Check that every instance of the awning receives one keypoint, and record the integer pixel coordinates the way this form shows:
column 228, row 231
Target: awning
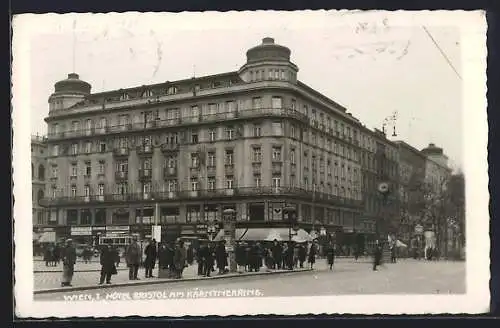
column 47, row 237
column 301, row 236
column 260, row 234
column 399, row 243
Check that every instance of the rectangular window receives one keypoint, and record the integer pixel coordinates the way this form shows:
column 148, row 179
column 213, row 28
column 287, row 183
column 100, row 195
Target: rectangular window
column 74, row 170
column 276, row 153
column 230, row 106
column 122, row 166
column 194, row 137
column 211, row 159
column 88, row 147
column 229, row 157
column 122, row 189
column 55, row 150
column 146, row 164
column 229, row 182
column 194, row 184
column 257, row 102
column 86, row 190
column 212, row 109
column 292, row 156
column 211, row 183
column 229, row 133
column 271, row 74
column 102, row 167
column 74, row 149
column 194, row 160
column 257, row 131
column 75, row 126
column 257, row 180
column 293, row 131
column 277, row 128
column 172, row 185
column 100, row 189
column 257, row 154
column 73, row 191
column 88, row 168
column 212, row 135
column 146, row 187
column 55, row 171
column 102, row 147
column 277, row 102
column 276, row 182
column 282, row 74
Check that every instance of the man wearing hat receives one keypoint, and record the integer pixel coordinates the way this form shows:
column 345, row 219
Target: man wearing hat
column 69, row 260
column 133, row 257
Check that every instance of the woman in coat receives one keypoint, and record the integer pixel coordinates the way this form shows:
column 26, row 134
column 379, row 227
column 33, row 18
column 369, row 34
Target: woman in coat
column 330, row 255
column 108, row 267
column 221, row 257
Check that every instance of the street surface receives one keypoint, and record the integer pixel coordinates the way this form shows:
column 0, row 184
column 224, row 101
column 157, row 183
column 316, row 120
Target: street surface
column 408, row 276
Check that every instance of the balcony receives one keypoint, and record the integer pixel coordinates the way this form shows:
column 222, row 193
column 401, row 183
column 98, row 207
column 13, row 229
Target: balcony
column 145, row 150
column 121, row 175
column 169, row 147
column 169, row 172
column 145, row 174
column 121, row 151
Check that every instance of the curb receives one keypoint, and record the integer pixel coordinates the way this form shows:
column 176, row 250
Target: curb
column 89, row 270
column 163, row 281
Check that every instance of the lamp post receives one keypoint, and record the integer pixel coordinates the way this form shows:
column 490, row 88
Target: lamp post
column 289, row 211
column 230, row 235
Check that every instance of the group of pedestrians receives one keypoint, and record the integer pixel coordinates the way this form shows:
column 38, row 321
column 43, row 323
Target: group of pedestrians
column 52, row 255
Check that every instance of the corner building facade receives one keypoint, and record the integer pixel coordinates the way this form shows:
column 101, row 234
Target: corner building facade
column 256, row 140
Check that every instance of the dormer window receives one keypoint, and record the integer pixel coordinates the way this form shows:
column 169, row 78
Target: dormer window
column 147, row 94
column 172, row 90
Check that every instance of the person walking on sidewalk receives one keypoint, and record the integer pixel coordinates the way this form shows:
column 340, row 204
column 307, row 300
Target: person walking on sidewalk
column 377, row 255
column 108, row 267
column 330, row 255
column 69, row 260
column 201, row 259
column 151, row 254
column 133, row 258
column 209, row 260
column 302, row 255
column 221, row 256
column 312, row 255
column 179, row 259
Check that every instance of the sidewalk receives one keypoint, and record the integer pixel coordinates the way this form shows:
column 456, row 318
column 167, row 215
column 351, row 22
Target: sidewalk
column 50, row 282
column 80, row 266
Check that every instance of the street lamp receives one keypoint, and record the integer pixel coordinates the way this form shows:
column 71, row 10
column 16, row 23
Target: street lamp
column 289, row 211
column 230, row 235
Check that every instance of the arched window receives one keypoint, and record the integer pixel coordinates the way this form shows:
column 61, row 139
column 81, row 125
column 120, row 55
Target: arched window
column 41, row 172
column 40, row 195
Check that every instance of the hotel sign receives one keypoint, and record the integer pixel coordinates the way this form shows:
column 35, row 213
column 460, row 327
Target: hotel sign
column 81, row 231
column 117, row 228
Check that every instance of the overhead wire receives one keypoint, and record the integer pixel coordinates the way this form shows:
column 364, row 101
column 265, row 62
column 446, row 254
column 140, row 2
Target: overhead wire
column 442, row 52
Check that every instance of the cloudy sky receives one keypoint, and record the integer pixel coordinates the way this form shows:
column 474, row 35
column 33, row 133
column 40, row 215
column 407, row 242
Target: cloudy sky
column 374, row 64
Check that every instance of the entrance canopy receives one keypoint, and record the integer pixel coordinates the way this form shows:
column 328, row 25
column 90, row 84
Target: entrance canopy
column 258, row 234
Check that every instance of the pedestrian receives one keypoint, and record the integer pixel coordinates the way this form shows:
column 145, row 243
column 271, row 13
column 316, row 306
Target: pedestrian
column 151, row 253
column 289, row 256
column 276, row 250
column 302, row 255
column 268, row 255
column 221, row 256
column 190, row 254
column 170, row 251
column 108, row 267
column 69, row 260
column 393, row 253
column 330, row 255
column 240, row 257
column 296, row 256
column 56, row 254
column 179, row 259
column 311, row 259
column 248, row 257
column 116, row 255
column 377, row 255
column 209, row 260
column 133, row 257
column 47, row 256
column 201, row 256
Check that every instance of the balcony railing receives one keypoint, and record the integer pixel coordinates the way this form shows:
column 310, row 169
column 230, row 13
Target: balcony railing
column 204, row 118
column 145, row 149
column 169, row 147
column 121, row 151
column 145, row 173
column 169, row 172
column 205, row 194
column 121, row 175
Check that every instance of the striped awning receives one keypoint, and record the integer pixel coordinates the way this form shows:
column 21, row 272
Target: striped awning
column 257, row 234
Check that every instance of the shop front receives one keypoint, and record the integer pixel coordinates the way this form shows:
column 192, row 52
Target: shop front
column 81, row 235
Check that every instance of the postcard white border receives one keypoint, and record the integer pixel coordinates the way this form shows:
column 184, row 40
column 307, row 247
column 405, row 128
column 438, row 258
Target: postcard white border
column 476, row 300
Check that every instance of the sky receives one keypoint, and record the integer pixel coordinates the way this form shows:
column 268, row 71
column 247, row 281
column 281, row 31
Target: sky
column 374, row 64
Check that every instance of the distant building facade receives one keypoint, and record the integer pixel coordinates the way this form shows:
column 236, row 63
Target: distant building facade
column 38, row 179
column 257, row 141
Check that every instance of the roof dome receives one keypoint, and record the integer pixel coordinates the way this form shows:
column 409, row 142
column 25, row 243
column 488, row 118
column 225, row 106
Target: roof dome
column 268, row 50
column 72, row 85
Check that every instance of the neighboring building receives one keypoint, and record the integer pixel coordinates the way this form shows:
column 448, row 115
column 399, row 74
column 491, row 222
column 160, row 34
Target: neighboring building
column 412, row 164
column 380, row 165
column 256, row 140
column 456, row 212
column 437, row 171
column 38, row 178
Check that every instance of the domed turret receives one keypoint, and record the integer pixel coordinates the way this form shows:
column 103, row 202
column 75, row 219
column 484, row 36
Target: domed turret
column 269, row 61
column 68, row 92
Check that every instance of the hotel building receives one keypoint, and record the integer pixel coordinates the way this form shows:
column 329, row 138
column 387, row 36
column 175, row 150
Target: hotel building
column 256, row 140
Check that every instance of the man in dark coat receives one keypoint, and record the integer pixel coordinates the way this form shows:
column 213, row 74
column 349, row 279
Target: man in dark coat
column 69, row 260
column 190, row 254
column 312, row 255
column 201, row 256
column 133, row 257
column 330, row 255
column 240, row 256
column 209, row 260
column 108, row 267
column 151, row 254
column 255, row 258
column 289, row 256
column 276, row 251
column 179, row 259
column 221, row 256
column 169, row 256
column 377, row 255
column 302, row 255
